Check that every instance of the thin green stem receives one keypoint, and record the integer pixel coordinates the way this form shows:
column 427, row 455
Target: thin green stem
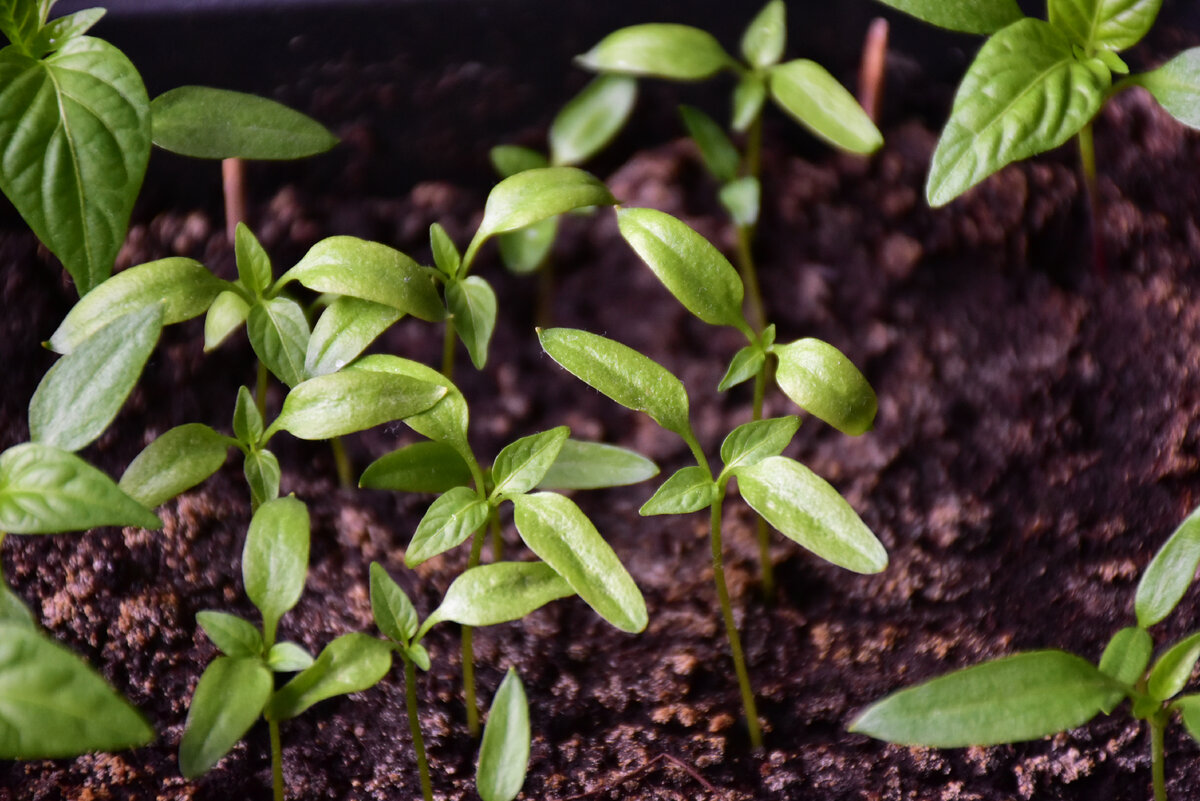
column 1087, row 162
column 468, row 649
column 414, row 726
column 1157, row 757
column 260, row 390
column 448, row 345
column 276, row 759
column 754, row 138
column 345, row 471
column 735, row 642
column 761, row 530
column 745, row 259
column 497, row 538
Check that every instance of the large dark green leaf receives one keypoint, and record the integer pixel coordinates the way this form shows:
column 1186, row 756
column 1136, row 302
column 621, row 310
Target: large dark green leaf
column 823, row 382
column 350, row 664
column 1176, row 85
column 594, row 465
column 229, row 698
column 1169, row 573
column 175, row 462
column 806, row 91
column 21, row 19
column 1104, row 24
column 968, row 16
column 677, row 52
column 504, row 752
column 591, row 119
column 275, row 559
column 352, row 400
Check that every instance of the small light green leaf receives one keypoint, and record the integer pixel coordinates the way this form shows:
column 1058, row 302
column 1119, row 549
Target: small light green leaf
column 620, row 372
column 806, row 91
column 522, row 464
column 472, row 303
column 1189, row 710
column 52, row 705
column 234, row 636
column 675, row 52
column 747, row 363
column 351, row 663
column 806, row 509
column 748, row 99
column 178, row 460
column 14, row 611
column 504, row 752
column 346, row 265
column 81, row 394
column 287, row 657
column 445, row 254
column 741, row 199
column 449, row 522
column 560, row 534
column 1113, row 62
column 279, row 334
column 207, row 123
column 183, row 287
column 393, row 612
column 719, row 155
column 446, row 421
column 418, row 655
column 1176, row 86
column 968, row 16
column 690, row 489
column 594, row 465
column 228, row 311
column 1020, row 697
column 229, row 698
column 823, row 382
column 591, row 119
column 344, row 330
column 1172, row 670
column 275, row 559
column 44, row 490
column 420, row 467
column 687, row 264
column 1025, row 93
column 508, row 160
column 247, row 420
column 750, row 443
column 497, row 593
column 352, row 400
column 55, row 34
column 253, row 263
column 1126, row 656
column 262, row 476
column 1169, row 573
column 765, row 37
column 525, row 250
column 20, row 20
column 1104, row 24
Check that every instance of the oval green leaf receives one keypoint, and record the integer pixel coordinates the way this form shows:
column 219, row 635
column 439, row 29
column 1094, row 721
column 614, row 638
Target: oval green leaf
column 472, row 304
column 508, row 160
column 445, row 253
column 228, row 311
column 504, row 752
column 229, row 698
column 1176, row 86
column 1104, row 24
column 178, row 460
column 498, row 593
column 449, row 522
column 520, row 465
column 279, row 334
column 741, row 198
column 351, row 663
column 1127, row 655
column 595, row 465
column 247, row 419
column 1169, row 573
column 766, row 36
column 275, row 559
column 675, row 52
column 1189, row 710
column 745, row 364
column 823, row 382
column 591, row 119
column 750, row 443
column 748, row 98
column 690, row 489
column 352, row 400
column 288, row 657
column 234, row 636
column 806, row 91
column 717, row 151
column 525, row 250
column 345, row 329
column 394, row 614
column 967, row 16
column 21, row 21
column 420, row 467
column 262, row 477
column 56, row 33
column 1172, row 670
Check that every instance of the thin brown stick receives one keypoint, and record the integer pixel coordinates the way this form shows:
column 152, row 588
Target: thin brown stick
column 633, row 774
column 871, row 69
column 233, row 180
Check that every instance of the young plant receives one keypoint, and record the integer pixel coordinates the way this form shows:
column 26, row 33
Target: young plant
column 239, row 686
column 1038, row 693
column 787, row 494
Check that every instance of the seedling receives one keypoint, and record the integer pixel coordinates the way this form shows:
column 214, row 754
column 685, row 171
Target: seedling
column 1034, row 694
column 786, row 493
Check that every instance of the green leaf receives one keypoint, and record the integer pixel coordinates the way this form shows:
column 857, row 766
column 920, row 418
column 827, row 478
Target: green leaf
column 253, row 263
column 52, row 705
column 449, row 522
column 675, row 52
column 741, row 199
column 176, row 461
column 748, row 99
column 594, row 465
column 621, row 373
column 346, row 265
column 44, row 490
column 591, row 119
column 20, row 20
column 687, row 264
column 234, row 636
column 525, row 250
column 351, row 663
column 228, row 311
column 14, row 611
column 275, row 559
column 806, row 91
column 81, row 394
column 508, row 160
column 522, row 464
column 968, row 16
column 1025, row 93
column 1020, row 697
column 1176, row 86
column 504, row 752
column 445, row 254
column 75, row 128
column 765, row 37
column 287, row 657
column 420, row 467
column 1126, row 656
column 1189, row 710
column 183, row 287
column 352, row 400
column 55, row 34
column 747, row 363
column 418, row 655
column 393, row 612
column 343, row 332
column 497, row 593
column 207, row 123
column 561, row 535
column 1169, row 573
column 1104, row 24
column 690, row 489
column 472, row 304
column 750, row 443
column 279, row 334
column 1172, row 670
column 247, row 420
column 262, row 476
column 229, row 698
column 806, row 509
column 823, row 382
column 718, row 152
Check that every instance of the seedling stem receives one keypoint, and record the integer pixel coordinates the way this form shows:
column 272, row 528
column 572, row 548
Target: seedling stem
column 1158, row 724
column 233, row 175
column 414, row 726
column 276, row 759
column 468, row 649
column 341, row 460
column 1087, row 161
column 871, row 69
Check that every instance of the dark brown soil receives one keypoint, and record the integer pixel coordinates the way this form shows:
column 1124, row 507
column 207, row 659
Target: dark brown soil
column 1036, row 442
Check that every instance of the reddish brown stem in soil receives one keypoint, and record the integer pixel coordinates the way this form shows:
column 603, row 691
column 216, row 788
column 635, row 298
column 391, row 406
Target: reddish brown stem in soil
column 233, row 175
column 871, row 69
column 633, row 774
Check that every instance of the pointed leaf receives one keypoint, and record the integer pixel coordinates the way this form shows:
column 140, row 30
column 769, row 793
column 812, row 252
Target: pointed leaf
column 14, row 611
column 746, row 364
column 445, row 421
column 741, row 199
column 806, row 91
column 178, row 460
column 278, row 332
column 472, row 304
column 525, row 250
column 229, row 698
column 351, row 663
column 247, row 420
column 1169, row 573
column 1189, row 710
column 594, row 465
column 418, row 655
column 498, row 593
column 823, row 382
column 420, row 467
column 748, row 99
column 287, row 657
column 20, row 20
column 343, row 332
column 352, row 400
column 275, row 559
column 55, row 34
column 1104, row 24
column 591, row 119
column 228, row 311
column 522, row 464
column 234, row 636
column 1172, row 670
column 676, row 52
column 968, row 16
column 508, row 160
column 449, row 522
column 262, row 476
column 445, row 254
column 253, row 263
column 393, row 612
column 504, row 752
column 765, row 37
column 752, row 442
column 690, row 489
column 1127, row 655
column 1176, row 86
column 719, row 155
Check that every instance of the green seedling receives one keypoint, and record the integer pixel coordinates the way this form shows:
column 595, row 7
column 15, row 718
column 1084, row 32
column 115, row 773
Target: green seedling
column 787, row 494
column 470, row 498
column 238, row 687
column 801, row 88
column 1038, row 693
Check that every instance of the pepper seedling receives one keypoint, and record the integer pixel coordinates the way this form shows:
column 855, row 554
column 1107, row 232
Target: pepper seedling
column 1038, row 693
column 787, row 494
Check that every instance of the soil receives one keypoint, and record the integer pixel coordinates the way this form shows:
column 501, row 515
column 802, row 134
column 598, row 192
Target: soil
column 1037, row 440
